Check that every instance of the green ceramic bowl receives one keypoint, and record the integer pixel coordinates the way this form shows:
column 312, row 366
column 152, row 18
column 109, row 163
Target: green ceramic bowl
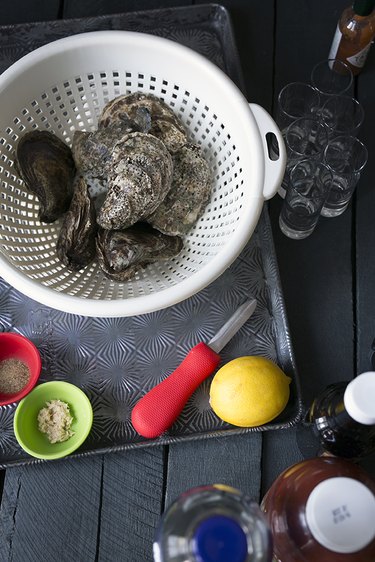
column 26, row 429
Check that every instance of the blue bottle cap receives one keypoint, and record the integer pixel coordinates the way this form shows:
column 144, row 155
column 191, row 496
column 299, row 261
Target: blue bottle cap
column 219, row 539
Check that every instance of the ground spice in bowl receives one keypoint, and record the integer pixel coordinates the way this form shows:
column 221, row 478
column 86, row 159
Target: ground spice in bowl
column 14, row 376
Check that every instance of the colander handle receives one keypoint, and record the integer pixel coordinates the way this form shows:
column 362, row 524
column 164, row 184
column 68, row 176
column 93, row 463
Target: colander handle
column 274, row 169
column 159, row 408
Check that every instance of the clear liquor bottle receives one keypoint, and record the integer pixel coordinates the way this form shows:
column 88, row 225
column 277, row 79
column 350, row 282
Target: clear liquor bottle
column 215, row 523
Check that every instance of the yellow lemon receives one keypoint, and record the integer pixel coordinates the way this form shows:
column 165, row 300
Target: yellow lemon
column 249, row 391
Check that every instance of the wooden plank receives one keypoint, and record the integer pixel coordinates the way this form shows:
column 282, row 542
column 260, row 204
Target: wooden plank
column 364, row 205
column 93, row 509
column 316, row 273
column 319, row 307
column 253, row 28
column 304, row 32
column 85, row 8
column 50, row 511
column 131, row 504
column 19, row 11
column 364, row 224
column 2, row 477
column 234, row 461
column 279, row 452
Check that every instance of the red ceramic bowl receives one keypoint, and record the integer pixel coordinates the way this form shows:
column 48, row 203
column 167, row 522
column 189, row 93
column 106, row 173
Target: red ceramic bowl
column 15, row 346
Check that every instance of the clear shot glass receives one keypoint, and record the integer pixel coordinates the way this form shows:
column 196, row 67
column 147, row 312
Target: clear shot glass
column 342, row 115
column 294, row 101
column 331, row 77
column 310, row 182
column 345, row 156
column 306, row 137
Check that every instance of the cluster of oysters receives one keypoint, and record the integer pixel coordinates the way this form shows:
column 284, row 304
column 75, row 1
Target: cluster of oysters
column 150, row 184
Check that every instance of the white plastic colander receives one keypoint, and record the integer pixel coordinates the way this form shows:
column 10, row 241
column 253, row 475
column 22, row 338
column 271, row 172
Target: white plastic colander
column 62, row 87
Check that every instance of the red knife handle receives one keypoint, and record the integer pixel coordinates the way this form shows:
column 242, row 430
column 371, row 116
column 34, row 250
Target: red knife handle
column 158, row 409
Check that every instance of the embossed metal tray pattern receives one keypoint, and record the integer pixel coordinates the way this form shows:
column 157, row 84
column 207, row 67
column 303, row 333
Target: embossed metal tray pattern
column 116, row 360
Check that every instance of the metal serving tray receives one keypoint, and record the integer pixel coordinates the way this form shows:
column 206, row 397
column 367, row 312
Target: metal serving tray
column 116, row 360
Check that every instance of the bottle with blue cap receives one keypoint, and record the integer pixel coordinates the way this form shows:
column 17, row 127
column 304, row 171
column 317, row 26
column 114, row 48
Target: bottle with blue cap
column 214, row 523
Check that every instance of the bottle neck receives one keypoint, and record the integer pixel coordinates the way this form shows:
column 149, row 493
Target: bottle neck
column 338, row 420
column 363, row 7
column 354, row 400
column 341, row 419
column 329, row 403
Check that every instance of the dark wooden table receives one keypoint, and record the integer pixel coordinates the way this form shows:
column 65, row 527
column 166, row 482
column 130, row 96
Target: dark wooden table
column 106, row 508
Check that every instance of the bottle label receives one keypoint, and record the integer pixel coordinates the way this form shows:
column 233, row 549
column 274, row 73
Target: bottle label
column 156, row 552
column 335, row 44
column 359, row 58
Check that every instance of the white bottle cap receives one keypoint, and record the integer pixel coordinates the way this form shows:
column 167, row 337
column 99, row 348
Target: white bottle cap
column 359, row 398
column 340, row 513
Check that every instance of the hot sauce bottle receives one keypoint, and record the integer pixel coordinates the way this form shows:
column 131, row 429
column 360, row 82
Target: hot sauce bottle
column 322, row 510
column 354, row 34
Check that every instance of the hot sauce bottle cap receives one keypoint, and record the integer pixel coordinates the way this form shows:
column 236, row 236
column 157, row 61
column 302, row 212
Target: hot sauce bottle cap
column 363, row 7
column 340, row 513
column 359, row 398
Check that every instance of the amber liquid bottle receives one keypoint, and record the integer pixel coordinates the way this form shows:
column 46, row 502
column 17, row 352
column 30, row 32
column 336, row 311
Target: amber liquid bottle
column 341, row 420
column 322, row 510
column 354, row 34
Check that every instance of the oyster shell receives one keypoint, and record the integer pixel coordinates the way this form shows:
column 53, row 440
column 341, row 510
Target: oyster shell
column 164, row 123
column 46, row 165
column 76, row 242
column 92, row 151
column 188, row 196
column 121, row 253
column 139, row 177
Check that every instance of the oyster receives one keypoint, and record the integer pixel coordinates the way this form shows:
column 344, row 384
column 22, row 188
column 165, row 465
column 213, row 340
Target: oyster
column 121, row 253
column 188, row 196
column 139, row 177
column 164, row 123
column 46, row 165
column 76, row 242
column 92, row 151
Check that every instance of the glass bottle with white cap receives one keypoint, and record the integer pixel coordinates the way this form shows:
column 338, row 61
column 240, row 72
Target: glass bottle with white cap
column 341, row 420
column 323, row 510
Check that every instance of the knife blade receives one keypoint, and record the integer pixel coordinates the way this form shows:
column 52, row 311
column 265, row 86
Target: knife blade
column 156, row 411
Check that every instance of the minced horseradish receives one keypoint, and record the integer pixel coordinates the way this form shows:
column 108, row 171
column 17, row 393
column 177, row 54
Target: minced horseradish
column 55, row 420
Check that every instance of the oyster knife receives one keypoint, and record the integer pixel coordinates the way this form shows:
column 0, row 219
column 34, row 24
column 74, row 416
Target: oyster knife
column 156, row 411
